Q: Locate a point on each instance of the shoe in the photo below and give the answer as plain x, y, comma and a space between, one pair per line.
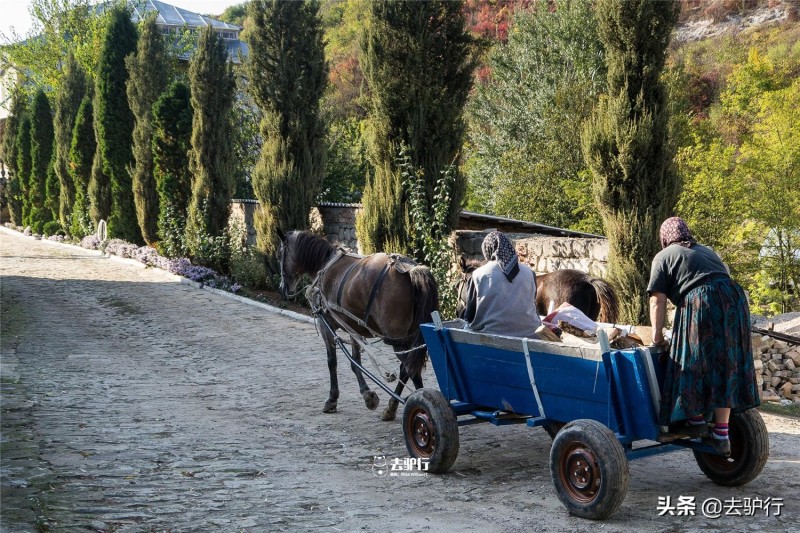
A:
722, 446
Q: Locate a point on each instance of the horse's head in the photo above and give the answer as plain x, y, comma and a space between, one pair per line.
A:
467, 267
300, 252
286, 261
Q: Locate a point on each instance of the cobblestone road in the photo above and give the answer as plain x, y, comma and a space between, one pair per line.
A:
131, 402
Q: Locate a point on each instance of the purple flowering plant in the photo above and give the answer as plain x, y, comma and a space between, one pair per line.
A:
180, 266
150, 257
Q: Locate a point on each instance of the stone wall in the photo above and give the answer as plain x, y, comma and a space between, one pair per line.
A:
336, 221
543, 253
777, 369
242, 213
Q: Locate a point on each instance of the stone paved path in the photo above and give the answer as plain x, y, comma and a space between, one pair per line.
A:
131, 402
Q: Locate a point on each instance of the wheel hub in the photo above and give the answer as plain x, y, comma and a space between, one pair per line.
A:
581, 474
422, 433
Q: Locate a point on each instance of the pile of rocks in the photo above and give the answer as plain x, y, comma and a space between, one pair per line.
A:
778, 369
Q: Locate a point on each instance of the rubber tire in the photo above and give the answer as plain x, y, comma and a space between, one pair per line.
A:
428, 410
749, 452
591, 440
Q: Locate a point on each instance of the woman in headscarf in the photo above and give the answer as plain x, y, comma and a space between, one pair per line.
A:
502, 293
710, 369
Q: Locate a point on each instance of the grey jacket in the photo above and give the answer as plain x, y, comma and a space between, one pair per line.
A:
501, 307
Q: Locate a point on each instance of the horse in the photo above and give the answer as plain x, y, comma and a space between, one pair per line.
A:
595, 297
380, 295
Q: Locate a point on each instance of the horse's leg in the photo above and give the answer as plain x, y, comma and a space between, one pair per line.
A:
371, 400
330, 346
390, 413
417, 381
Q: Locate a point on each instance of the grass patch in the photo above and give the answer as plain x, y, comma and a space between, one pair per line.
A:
778, 409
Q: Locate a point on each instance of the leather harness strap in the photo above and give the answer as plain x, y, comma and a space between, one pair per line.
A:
344, 281
374, 292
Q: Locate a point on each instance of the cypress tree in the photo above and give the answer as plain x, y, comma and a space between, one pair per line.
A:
287, 74
9, 155
172, 132
52, 194
211, 157
626, 144
114, 123
148, 78
68, 100
99, 190
23, 168
42, 137
81, 156
418, 60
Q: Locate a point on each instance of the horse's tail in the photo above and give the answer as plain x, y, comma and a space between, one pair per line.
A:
607, 296
425, 295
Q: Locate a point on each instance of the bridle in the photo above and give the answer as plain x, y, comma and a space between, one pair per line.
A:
281, 259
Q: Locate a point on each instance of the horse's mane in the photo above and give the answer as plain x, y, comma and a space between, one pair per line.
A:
311, 252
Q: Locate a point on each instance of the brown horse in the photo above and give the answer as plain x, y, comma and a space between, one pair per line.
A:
595, 297
380, 295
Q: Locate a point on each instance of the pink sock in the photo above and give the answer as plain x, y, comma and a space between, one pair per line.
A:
721, 431
697, 420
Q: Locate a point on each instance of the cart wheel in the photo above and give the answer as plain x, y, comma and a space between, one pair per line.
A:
431, 429
552, 428
749, 452
589, 469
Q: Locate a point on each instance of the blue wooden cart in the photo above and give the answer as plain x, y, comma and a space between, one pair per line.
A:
600, 407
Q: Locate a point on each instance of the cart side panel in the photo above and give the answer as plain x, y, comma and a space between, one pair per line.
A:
485, 376
436, 343
572, 388
633, 395
494, 378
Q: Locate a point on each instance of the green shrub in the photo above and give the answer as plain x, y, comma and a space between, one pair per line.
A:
52, 228
247, 269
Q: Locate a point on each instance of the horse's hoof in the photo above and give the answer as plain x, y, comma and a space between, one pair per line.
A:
389, 414
371, 400
330, 407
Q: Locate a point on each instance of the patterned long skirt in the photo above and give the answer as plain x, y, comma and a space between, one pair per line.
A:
711, 358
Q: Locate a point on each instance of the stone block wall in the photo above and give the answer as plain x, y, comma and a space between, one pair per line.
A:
242, 212
543, 253
337, 222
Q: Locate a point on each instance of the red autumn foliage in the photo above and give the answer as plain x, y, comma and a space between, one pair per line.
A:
490, 19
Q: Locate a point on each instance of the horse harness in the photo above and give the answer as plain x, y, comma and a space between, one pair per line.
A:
320, 303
